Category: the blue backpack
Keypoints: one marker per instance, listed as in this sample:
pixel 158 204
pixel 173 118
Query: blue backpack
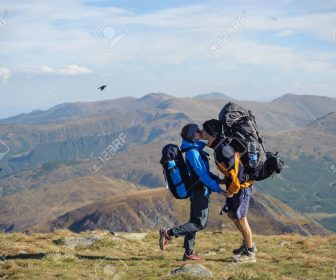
pixel 175 171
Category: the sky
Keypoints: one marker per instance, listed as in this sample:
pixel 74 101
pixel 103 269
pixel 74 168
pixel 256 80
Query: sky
pixel 61 51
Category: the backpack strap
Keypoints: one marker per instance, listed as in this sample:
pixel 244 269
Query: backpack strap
pixel 195 182
pixel 188 149
pixel 201 154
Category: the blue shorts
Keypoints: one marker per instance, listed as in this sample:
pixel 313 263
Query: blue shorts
pixel 238 205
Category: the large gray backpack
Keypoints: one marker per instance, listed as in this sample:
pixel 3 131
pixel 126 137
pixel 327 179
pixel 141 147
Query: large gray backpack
pixel 240 128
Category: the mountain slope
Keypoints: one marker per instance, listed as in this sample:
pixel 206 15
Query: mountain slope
pixel 305 106
pixel 81 130
pixel 30 208
pixel 69 111
pixel 139 163
pixel 303 150
pixel 325 124
pixel 150 209
pixel 51 148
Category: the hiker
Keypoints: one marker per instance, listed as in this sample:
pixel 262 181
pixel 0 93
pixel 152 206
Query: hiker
pixel 239 187
pixel 203 183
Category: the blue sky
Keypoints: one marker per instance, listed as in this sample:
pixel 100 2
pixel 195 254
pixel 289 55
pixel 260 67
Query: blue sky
pixel 60 51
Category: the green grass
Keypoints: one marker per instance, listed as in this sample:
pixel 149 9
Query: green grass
pixel 302 258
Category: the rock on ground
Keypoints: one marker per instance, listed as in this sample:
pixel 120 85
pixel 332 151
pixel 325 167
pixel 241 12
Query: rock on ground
pixel 197 270
pixel 72 242
pixel 284 243
pixel 210 253
pixel 132 236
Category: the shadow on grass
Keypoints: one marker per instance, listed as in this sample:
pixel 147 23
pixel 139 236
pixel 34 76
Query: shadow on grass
pixel 40 256
pixel 37 256
pixel 226 260
pixel 148 258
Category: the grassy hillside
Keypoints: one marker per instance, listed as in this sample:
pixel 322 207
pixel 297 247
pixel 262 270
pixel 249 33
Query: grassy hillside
pixel 42 175
pixel 29 209
pixel 99 202
pixel 151 209
pixel 285 257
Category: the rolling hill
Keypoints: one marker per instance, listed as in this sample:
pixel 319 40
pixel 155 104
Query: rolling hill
pixel 151 209
pixel 99 202
pixel 67 141
pixel 28 209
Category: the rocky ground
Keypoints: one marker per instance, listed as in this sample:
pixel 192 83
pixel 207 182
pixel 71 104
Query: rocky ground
pixel 104 255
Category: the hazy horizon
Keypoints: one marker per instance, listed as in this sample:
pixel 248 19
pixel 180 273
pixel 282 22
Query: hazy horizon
pixel 3 115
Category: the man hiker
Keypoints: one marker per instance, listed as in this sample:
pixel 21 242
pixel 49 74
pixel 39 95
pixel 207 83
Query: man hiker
pixel 203 182
pixel 239 187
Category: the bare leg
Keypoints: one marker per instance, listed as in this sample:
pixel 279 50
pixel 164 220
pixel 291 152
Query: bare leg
pixel 236 223
pixel 246 232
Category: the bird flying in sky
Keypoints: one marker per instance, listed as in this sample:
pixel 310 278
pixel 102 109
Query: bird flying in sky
pixel 102 87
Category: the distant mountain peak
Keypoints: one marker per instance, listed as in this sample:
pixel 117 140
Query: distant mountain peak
pixel 284 97
pixel 156 96
pixel 292 96
pixel 213 95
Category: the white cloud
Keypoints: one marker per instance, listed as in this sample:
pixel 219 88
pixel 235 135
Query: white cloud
pixel 4 74
pixel 47 31
pixel 68 70
pixel 73 70
pixel 46 69
pixel 285 58
pixel 318 24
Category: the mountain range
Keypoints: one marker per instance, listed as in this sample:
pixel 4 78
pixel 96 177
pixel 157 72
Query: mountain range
pixel 79 140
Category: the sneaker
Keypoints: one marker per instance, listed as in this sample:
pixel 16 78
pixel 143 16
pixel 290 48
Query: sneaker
pixel 164 238
pixel 191 257
pixel 240 250
pixel 247 256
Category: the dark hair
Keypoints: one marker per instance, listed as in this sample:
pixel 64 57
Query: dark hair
pixel 213 127
pixel 188 131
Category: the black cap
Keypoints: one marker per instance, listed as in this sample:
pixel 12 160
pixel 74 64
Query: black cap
pixel 213 127
pixel 189 131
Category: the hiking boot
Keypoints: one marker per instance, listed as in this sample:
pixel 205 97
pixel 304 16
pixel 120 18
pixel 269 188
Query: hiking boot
pixel 240 250
pixel 247 256
pixel 191 257
pixel 164 238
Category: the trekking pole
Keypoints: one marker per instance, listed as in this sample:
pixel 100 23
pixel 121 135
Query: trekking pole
pixel 261 141
pixel 257 131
